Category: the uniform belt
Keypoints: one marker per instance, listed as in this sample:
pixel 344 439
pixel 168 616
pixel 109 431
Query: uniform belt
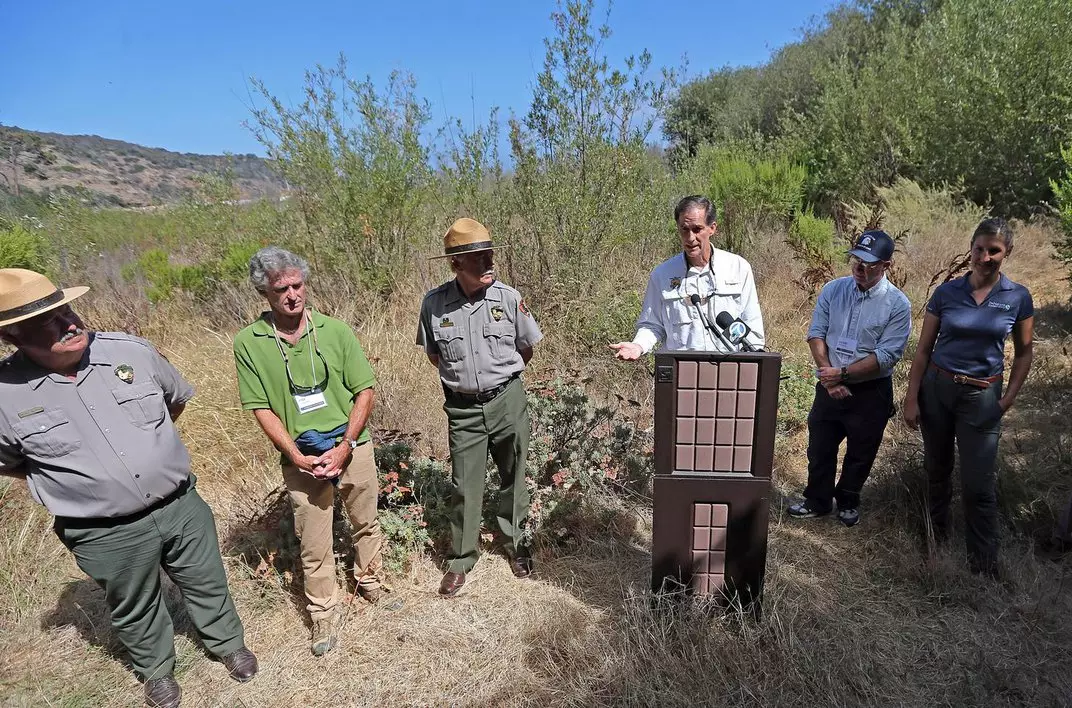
pixel 967 380
pixel 75 522
pixel 482 397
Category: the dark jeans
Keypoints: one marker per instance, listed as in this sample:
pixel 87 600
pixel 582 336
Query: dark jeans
pixel 860 420
pixel 972 417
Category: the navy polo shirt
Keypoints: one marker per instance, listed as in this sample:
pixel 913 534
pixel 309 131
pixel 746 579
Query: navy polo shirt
pixel 971 338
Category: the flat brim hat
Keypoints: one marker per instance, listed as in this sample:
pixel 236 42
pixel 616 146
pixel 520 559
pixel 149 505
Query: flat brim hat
pixel 873 246
pixel 25 294
pixel 466 236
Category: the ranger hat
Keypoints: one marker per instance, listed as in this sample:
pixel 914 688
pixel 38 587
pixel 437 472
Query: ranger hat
pixel 24 294
pixel 466 236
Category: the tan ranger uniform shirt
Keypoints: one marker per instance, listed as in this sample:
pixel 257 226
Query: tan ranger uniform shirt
pixel 102 444
pixel 477 342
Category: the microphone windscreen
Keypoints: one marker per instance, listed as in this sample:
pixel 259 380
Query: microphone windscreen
pixel 724 319
pixel 694 299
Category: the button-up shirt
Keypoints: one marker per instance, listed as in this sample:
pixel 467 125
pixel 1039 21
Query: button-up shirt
pixel 477 341
pixel 667 315
pixel 971 337
pixel 101 444
pixel 857 323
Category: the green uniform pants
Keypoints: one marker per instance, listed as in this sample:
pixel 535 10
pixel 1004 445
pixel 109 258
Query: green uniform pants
pixel 501 425
pixel 125 559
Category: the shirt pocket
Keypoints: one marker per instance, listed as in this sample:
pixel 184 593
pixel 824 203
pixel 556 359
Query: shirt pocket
pixel 679 310
pixel 48 434
pixel 143 403
pixel 500 338
pixel 450 342
pixel 726 297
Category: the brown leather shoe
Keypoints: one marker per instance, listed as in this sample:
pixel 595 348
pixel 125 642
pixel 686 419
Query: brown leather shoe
pixel 242 665
pixel 162 692
pixel 521 566
pixel 452 583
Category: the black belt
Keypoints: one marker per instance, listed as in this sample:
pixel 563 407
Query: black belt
pixel 75 522
pixel 482 397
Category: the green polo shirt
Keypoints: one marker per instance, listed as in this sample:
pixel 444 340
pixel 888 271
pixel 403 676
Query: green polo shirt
pixel 262 376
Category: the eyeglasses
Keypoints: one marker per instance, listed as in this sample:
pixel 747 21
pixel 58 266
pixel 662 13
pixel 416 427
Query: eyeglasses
pixel 869 267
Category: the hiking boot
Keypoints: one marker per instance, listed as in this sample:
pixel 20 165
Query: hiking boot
pixel 804 510
pixel 324 638
pixel 163 692
pixel 849 517
pixel 380 596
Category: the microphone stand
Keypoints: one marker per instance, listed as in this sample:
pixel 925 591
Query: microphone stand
pixel 695 300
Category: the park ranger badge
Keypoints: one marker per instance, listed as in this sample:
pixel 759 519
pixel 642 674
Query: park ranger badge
pixel 125 373
pixel 497 312
pixel 675 282
pixel 446 322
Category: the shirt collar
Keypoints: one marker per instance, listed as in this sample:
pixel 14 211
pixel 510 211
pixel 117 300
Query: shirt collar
pixel 875 290
pixel 1003 283
pixel 456 294
pixel 262 326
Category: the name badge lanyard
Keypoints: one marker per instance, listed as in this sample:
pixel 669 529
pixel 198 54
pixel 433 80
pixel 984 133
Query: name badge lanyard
pixel 710 271
pixel 310 398
pixel 848 344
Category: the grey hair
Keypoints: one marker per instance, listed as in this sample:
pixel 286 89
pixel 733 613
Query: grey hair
pixel 273 259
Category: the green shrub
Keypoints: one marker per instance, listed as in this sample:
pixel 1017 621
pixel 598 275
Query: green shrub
pixel 23 248
pixel 1062 192
pixel 813 237
pixel 795 395
pixel 753 192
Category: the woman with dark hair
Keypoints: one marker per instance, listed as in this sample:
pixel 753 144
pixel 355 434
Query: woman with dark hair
pixel 955 386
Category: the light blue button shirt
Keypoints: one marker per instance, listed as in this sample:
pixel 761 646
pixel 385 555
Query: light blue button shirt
pixel 878 321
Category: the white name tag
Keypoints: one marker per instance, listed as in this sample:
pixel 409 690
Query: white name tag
pixel 846 348
pixel 310 401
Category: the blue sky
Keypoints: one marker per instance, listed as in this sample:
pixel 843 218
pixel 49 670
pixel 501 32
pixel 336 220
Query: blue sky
pixel 175 74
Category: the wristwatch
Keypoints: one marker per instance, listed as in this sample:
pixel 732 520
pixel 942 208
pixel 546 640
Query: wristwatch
pixel 844 374
pixel 352 443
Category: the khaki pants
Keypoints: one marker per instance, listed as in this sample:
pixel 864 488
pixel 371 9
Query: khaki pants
pixel 313 501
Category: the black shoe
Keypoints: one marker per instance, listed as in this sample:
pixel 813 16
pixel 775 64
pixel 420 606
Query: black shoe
pixel 242 665
pixel 521 566
pixel 162 692
pixel 804 510
pixel 849 517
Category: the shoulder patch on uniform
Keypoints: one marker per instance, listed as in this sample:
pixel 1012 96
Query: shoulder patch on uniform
pixel 524 309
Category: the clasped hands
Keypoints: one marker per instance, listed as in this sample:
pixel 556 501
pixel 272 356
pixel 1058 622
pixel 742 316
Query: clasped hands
pixel 326 466
pixel 830 378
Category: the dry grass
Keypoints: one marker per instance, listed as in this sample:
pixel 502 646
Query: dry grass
pixel 852 617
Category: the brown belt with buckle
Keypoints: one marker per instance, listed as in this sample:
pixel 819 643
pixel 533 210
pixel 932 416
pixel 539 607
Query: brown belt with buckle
pixel 967 380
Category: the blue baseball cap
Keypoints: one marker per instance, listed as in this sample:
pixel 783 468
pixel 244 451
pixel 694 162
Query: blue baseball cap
pixel 873 246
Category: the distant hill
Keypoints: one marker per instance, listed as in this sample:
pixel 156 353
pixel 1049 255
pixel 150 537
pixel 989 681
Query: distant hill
pixel 125 174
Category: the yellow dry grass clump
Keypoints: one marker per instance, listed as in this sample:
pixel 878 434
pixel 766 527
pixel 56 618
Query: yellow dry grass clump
pixel 860 616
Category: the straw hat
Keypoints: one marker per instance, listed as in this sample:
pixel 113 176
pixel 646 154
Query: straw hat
pixel 24 294
pixel 465 236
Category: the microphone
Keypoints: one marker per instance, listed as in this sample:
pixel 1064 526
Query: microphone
pixel 735 329
pixel 695 300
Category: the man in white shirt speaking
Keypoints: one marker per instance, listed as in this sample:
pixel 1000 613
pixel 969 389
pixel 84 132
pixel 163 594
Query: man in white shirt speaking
pixel 687 293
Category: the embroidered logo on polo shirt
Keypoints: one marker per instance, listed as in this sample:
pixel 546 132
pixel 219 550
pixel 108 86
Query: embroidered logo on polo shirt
pixel 999 305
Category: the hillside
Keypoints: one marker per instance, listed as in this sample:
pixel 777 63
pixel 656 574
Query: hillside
pixel 125 174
